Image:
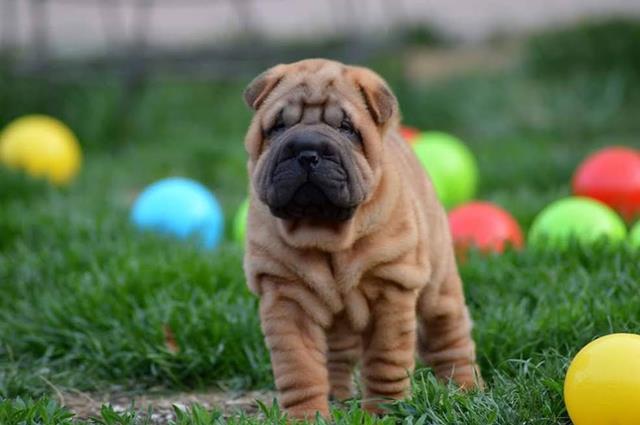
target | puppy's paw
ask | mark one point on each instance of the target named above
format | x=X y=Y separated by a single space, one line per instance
x=467 y=377
x=298 y=415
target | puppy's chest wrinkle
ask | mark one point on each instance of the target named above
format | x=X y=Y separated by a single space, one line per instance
x=348 y=281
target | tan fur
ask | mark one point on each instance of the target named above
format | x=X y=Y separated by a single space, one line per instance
x=365 y=290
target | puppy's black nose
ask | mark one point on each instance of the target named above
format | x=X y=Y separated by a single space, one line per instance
x=308 y=159
x=308 y=148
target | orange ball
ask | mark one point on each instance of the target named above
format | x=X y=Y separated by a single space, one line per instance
x=485 y=226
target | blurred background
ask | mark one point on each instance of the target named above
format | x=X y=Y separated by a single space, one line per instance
x=153 y=88
x=68 y=28
x=136 y=74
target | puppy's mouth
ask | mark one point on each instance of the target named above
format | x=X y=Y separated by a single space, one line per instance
x=298 y=190
x=310 y=202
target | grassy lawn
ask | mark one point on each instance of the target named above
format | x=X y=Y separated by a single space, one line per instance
x=86 y=299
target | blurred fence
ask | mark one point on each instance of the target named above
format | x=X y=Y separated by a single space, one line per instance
x=72 y=39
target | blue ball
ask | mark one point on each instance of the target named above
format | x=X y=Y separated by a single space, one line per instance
x=180 y=207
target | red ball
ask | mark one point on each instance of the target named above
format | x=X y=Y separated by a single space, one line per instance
x=484 y=226
x=409 y=133
x=612 y=176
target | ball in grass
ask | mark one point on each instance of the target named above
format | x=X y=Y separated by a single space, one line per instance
x=583 y=219
x=612 y=176
x=634 y=236
x=602 y=385
x=182 y=208
x=240 y=222
x=43 y=147
x=410 y=134
x=485 y=226
x=450 y=165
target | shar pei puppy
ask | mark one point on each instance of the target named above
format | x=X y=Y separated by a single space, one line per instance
x=347 y=245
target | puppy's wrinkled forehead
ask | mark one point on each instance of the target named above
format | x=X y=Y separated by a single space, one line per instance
x=299 y=111
x=311 y=92
x=313 y=79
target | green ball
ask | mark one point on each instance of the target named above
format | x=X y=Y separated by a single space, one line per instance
x=635 y=236
x=583 y=219
x=451 y=166
x=240 y=222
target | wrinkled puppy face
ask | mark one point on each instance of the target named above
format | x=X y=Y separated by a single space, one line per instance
x=315 y=139
x=310 y=169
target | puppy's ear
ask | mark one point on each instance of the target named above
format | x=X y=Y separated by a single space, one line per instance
x=258 y=90
x=380 y=101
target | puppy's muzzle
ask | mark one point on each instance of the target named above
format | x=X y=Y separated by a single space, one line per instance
x=309 y=179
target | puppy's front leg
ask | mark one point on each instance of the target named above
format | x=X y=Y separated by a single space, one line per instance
x=298 y=355
x=389 y=348
x=345 y=349
x=444 y=337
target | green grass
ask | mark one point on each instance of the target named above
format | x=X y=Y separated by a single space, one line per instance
x=85 y=297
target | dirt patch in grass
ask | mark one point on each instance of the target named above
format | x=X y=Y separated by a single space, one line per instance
x=161 y=404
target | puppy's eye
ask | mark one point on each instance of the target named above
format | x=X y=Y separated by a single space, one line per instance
x=277 y=126
x=346 y=126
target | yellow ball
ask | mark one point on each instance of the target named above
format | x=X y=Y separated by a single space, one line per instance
x=603 y=382
x=42 y=146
